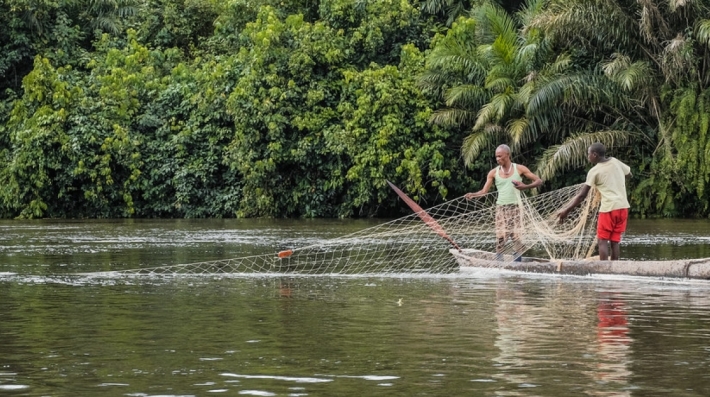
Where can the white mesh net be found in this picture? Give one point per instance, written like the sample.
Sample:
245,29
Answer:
420,243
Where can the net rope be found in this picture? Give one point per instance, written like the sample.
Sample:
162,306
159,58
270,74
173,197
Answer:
411,245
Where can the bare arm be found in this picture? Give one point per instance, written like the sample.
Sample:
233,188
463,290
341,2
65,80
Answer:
535,180
562,214
489,181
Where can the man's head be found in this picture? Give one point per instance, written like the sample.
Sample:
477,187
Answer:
596,152
503,154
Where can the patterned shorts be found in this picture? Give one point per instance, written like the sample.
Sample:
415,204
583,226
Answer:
507,220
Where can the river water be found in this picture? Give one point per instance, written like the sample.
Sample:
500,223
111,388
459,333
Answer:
474,334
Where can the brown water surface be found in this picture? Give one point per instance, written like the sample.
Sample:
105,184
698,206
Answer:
477,334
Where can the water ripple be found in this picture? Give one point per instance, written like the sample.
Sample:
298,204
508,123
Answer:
284,378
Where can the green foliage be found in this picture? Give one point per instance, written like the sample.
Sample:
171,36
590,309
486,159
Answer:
38,141
680,176
281,104
560,75
248,119
386,134
315,136
185,130
60,31
206,108
486,71
74,151
448,10
183,24
376,30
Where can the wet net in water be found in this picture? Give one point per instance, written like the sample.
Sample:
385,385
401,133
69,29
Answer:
420,243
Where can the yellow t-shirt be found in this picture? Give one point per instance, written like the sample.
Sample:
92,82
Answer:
609,178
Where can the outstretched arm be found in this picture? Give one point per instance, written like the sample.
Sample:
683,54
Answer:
562,214
489,181
535,180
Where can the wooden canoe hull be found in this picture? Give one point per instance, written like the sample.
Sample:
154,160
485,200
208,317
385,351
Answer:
682,268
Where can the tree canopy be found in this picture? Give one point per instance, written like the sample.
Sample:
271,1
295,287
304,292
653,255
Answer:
205,108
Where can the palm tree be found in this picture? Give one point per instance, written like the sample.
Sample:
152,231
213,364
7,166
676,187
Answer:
486,70
451,9
646,64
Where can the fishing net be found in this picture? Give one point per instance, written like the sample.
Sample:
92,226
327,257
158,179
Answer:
420,242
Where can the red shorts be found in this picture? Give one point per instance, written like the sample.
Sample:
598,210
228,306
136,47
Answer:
611,224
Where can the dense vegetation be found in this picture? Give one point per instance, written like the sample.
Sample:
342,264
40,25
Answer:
212,108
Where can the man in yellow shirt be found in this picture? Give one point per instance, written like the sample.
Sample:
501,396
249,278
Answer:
608,176
509,182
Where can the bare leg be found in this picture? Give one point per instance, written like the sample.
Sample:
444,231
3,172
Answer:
517,246
615,251
603,249
500,244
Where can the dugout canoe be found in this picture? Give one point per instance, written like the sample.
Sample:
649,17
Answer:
681,268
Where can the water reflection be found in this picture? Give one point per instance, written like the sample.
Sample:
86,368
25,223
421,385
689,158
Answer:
613,346
487,333
551,329
531,321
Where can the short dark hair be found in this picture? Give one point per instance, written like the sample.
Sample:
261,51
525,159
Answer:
598,148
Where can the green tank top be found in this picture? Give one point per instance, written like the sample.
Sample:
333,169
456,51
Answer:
507,193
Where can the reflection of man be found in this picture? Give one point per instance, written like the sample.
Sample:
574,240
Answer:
613,323
509,182
285,289
613,343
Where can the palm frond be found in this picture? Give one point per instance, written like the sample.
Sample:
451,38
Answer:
495,110
454,55
433,79
455,9
553,124
617,63
467,96
499,52
453,117
653,24
678,58
519,133
530,10
628,75
433,6
593,91
600,20
108,14
499,83
494,23
452,8
702,31
475,143
674,5
549,94
525,92
560,65
572,153
486,115
527,53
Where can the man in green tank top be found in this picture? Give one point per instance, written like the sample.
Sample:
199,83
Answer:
609,177
507,177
